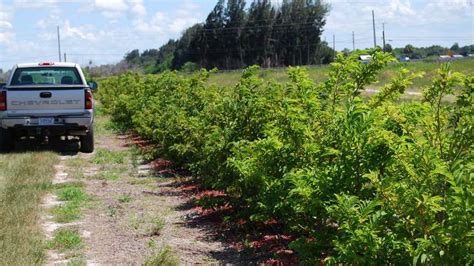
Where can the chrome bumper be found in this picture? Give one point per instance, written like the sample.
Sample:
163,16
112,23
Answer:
34,122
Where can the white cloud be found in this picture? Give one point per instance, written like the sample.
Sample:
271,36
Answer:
112,9
420,22
180,24
50,21
137,8
24,4
83,32
165,23
6,27
444,11
155,24
111,5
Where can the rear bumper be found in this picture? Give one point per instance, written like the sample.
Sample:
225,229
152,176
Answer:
72,126
61,121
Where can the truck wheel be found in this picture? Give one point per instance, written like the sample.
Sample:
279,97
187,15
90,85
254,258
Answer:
87,142
6,140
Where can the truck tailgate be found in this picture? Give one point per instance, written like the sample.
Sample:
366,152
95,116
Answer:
45,102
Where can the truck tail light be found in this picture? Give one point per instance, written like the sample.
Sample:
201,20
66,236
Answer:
89,100
3,100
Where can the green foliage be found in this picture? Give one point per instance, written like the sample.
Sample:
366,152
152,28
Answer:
190,67
67,212
74,195
165,257
65,239
124,198
104,156
359,181
71,193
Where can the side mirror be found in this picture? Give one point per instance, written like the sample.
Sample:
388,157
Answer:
93,85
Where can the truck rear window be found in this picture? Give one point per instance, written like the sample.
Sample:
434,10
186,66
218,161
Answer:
46,76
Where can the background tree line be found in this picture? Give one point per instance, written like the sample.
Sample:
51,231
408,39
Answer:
235,35
433,51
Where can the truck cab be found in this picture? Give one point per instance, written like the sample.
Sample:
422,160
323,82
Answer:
47,101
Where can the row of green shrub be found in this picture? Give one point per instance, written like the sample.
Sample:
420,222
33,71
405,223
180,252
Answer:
359,180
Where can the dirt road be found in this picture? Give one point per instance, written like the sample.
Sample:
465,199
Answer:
135,213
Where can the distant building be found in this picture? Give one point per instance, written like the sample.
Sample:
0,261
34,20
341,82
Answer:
458,56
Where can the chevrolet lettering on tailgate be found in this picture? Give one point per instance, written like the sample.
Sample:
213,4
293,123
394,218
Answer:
45,102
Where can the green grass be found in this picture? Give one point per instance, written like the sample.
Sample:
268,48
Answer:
106,175
165,257
107,157
146,224
24,179
319,73
103,125
61,186
77,262
66,213
76,163
73,195
142,181
124,199
65,239
157,225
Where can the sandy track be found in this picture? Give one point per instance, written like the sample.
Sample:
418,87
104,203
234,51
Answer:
124,233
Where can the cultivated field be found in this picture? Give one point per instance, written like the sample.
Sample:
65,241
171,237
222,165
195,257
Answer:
249,171
330,175
319,73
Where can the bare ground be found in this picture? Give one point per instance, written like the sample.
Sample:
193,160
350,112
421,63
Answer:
133,217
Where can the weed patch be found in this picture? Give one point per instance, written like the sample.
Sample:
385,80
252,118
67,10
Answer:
71,193
65,239
74,196
157,225
67,212
104,156
106,175
165,256
124,198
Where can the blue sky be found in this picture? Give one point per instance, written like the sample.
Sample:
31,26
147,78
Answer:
104,30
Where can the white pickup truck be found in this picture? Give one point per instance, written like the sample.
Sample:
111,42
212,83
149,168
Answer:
47,101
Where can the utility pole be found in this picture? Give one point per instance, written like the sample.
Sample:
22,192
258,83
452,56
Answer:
59,45
383,35
65,57
373,24
353,42
334,45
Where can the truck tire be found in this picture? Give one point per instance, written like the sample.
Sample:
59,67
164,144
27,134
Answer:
6,140
87,142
